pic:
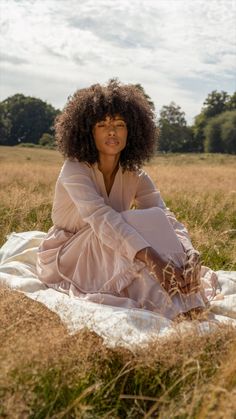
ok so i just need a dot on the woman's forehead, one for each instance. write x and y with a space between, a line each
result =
115 117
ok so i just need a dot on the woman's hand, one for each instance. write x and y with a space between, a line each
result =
192 269
173 279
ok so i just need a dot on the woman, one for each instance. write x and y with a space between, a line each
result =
98 248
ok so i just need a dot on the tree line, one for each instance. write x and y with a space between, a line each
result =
28 120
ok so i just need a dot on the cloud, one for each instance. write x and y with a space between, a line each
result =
50 51
177 49
45 87
12 59
4 26
78 60
113 29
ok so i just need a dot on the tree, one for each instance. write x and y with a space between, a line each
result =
47 140
231 105
175 136
25 119
228 132
200 122
5 125
215 103
220 133
213 141
173 115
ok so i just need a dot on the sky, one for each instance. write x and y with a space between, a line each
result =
178 50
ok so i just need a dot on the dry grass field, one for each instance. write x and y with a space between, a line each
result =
199 189
46 373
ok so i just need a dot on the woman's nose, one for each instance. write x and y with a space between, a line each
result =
111 130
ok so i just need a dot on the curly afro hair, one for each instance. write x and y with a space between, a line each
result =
73 127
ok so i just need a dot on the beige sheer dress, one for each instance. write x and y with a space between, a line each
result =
90 250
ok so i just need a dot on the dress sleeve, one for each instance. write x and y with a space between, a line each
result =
108 224
147 196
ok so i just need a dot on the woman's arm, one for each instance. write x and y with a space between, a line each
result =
185 279
147 196
108 225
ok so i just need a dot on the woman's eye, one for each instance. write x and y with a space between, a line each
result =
115 125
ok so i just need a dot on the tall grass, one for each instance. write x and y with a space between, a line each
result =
46 373
199 189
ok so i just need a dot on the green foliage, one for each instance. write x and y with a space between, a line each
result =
175 136
215 103
5 125
25 119
213 142
209 135
173 115
47 140
198 131
231 104
220 133
228 132
28 145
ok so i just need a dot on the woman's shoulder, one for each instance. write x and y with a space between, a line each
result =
135 174
72 167
136 177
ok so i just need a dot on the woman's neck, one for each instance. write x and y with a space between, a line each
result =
108 165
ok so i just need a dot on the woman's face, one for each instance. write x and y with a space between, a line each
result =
110 135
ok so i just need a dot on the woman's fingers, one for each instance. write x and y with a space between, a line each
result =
190 282
175 280
190 288
187 282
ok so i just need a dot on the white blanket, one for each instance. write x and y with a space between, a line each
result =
117 326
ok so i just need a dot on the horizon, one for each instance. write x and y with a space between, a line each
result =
58 109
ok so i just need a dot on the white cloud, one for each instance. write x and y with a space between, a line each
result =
177 49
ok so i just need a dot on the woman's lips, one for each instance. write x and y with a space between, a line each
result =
112 142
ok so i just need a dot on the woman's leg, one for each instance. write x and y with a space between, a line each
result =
156 229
